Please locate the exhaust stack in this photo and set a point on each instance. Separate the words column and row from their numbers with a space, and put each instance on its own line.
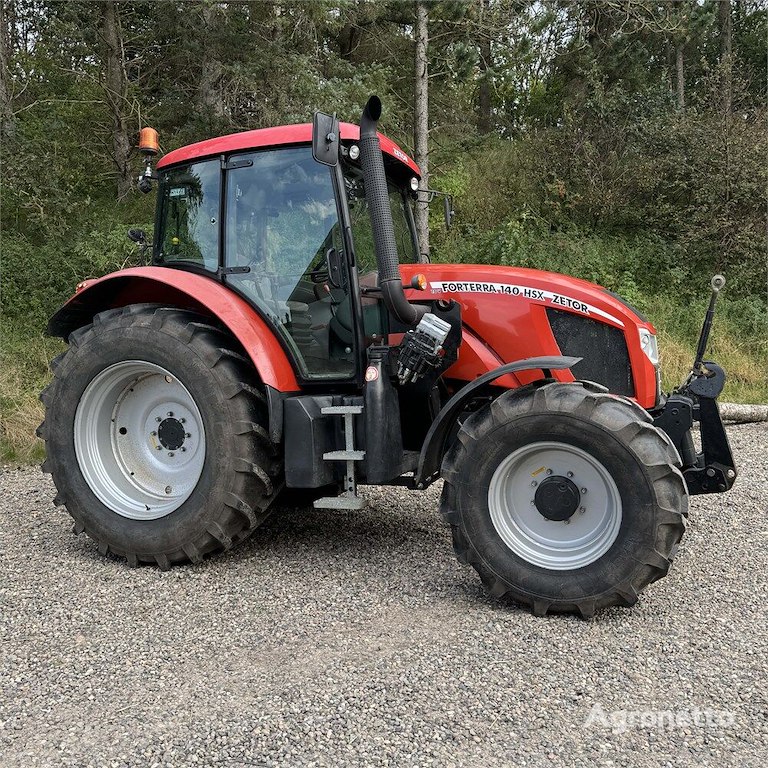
column 377, row 196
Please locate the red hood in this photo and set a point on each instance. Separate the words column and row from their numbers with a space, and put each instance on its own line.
column 505, row 309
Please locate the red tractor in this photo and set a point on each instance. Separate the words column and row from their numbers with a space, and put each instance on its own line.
column 286, row 336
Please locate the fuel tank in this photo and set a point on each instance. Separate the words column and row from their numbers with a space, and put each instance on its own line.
column 510, row 313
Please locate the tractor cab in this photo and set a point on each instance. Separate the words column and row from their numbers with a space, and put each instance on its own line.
column 268, row 220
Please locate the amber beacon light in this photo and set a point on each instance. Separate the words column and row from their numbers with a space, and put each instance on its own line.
column 149, row 145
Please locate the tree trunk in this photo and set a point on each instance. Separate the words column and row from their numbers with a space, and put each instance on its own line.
column 680, row 37
column 680, row 76
column 725, row 23
column 210, row 95
column 486, row 64
column 421, row 124
column 7, row 119
column 116, row 91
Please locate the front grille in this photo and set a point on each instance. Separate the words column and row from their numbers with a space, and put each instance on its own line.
column 603, row 347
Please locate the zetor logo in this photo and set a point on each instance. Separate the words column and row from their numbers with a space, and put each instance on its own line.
column 525, row 292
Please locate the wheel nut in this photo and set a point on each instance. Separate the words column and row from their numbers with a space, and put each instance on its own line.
column 570, row 474
column 183, row 449
column 168, row 489
column 158, row 447
column 533, row 503
column 183, row 421
column 187, row 434
column 731, row 473
column 582, row 510
column 158, row 419
column 583, row 490
column 170, row 413
column 549, row 471
column 533, row 483
column 154, row 434
column 171, row 454
column 567, row 521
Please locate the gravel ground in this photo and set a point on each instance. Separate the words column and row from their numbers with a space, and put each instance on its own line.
column 334, row 639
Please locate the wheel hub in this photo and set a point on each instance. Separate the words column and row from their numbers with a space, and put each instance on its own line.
column 170, row 433
column 557, row 498
column 573, row 516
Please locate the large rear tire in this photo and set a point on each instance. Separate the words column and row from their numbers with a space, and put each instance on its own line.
column 564, row 498
column 156, row 436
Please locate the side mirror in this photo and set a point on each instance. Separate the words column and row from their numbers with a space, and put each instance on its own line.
column 138, row 236
column 325, row 139
column 333, row 262
column 448, row 210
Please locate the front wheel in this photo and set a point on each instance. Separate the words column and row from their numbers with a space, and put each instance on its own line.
column 564, row 497
column 156, row 438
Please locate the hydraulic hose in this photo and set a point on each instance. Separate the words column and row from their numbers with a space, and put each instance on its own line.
column 377, row 196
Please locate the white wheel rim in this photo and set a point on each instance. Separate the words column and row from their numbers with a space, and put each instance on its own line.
column 558, row 545
column 139, row 440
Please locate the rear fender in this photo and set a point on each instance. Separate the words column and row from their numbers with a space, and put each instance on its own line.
column 186, row 290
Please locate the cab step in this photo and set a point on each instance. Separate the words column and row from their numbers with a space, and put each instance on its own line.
column 348, row 498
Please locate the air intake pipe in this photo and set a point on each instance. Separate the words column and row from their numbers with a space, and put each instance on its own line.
column 377, row 196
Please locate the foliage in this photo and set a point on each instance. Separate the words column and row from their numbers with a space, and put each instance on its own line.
column 556, row 125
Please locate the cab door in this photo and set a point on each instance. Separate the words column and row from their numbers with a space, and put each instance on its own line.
column 281, row 219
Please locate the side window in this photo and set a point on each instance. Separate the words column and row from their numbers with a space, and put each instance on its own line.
column 361, row 223
column 281, row 221
column 189, row 217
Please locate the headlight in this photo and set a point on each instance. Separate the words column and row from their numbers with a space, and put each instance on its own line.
column 649, row 346
column 354, row 152
column 414, row 184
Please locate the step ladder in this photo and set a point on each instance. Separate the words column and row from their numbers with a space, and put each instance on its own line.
column 348, row 498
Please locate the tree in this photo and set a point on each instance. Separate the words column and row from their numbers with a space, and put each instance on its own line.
column 725, row 25
column 210, row 95
column 7, row 119
column 680, row 35
column 115, row 84
column 421, row 122
column 485, row 65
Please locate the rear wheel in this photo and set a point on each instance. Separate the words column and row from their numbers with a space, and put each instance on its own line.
column 156, row 436
column 564, row 497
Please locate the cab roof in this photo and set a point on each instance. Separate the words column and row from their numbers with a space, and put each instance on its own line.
column 283, row 135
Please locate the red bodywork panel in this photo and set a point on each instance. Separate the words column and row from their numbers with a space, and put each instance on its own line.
column 176, row 288
column 274, row 137
column 503, row 310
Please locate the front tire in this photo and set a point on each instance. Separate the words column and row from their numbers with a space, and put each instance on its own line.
column 156, row 436
column 564, row 498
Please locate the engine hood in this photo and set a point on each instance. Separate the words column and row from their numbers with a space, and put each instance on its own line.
column 510, row 309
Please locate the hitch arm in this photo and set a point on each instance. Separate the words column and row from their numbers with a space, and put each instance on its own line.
column 717, row 283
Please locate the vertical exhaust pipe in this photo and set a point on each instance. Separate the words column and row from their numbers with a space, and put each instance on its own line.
column 377, row 196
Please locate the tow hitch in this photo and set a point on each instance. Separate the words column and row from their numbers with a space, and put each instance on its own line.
column 712, row 470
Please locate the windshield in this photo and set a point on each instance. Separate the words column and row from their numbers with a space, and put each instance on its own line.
column 362, row 233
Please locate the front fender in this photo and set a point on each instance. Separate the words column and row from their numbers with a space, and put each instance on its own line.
column 434, row 444
column 186, row 290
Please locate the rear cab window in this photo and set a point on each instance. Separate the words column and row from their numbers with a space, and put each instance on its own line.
column 189, row 215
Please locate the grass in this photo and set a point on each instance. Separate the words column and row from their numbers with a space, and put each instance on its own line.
column 25, row 356
column 741, row 352
column 24, row 372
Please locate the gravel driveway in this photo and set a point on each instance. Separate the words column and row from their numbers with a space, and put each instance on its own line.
column 357, row 639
